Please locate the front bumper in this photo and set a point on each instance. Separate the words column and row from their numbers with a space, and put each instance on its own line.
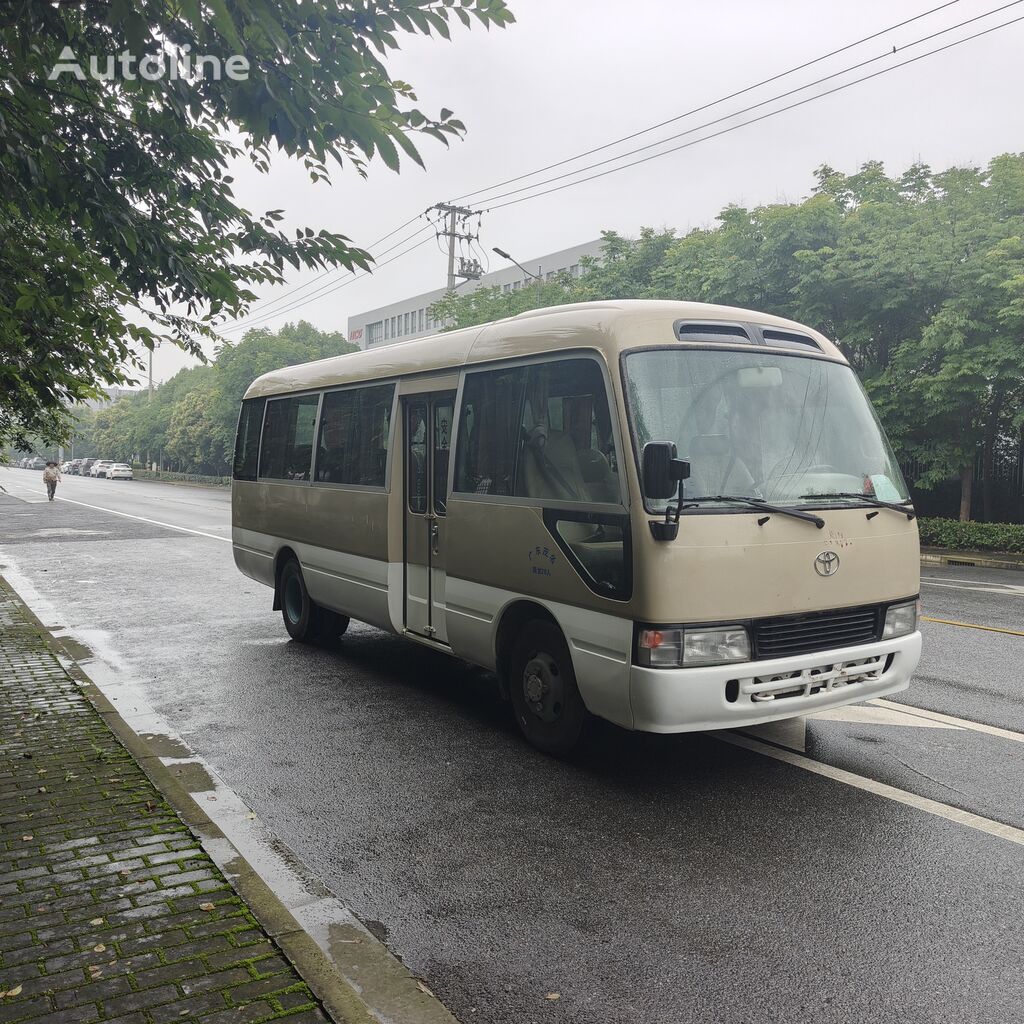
column 694, row 699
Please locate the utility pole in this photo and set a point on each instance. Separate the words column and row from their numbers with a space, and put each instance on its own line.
column 455, row 216
column 155, row 344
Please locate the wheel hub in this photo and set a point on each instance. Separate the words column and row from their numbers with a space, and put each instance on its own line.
column 542, row 687
column 293, row 599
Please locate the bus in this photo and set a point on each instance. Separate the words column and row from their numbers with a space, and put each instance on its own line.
column 670, row 515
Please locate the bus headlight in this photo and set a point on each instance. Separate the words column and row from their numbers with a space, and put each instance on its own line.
column 687, row 648
column 900, row 619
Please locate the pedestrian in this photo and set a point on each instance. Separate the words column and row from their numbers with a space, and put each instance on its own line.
column 50, row 477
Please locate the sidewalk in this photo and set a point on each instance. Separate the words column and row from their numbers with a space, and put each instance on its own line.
column 979, row 559
column 110, row 910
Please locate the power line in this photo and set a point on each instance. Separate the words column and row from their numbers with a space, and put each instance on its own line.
column 261, row 307
column 337, row 286
column 713, row 103
column 320, row 293
column 753, row 106
column 762, row 117
column 324, row 289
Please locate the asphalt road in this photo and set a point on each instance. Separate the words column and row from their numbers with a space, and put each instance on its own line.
column 660, row 879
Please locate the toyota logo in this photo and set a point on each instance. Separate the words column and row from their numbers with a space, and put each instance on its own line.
column 826, row 564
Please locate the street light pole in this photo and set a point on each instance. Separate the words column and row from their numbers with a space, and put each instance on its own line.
column 505, row 256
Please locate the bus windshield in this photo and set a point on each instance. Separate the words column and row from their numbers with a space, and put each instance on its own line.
column 786, row 429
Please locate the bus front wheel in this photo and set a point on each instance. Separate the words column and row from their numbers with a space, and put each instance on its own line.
column 542, row 684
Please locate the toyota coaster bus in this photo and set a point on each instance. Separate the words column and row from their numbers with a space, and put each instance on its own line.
column 671, row 515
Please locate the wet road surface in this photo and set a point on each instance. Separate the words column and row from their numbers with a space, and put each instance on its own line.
column 659, row 879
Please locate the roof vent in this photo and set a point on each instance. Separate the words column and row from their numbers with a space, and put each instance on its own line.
column 789, row 339
column 720, row 332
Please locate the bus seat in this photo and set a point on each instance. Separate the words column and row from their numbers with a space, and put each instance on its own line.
column 601, row 483
column 551, row 467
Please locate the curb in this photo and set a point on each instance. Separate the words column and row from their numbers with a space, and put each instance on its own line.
column 937, row 556
column 357, row 979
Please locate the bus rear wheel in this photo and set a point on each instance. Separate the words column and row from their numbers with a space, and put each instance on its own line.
column 542, row 684
column 304, row 619
column 297, row 607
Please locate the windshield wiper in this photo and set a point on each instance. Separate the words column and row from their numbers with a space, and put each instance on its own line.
column 758, row 503
column 896, row 506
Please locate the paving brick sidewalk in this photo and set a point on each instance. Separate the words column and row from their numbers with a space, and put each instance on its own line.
column 109, row 908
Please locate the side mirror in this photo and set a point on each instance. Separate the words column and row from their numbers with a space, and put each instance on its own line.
column 662, row 470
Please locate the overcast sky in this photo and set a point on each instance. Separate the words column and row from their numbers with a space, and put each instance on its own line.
column 571, row 75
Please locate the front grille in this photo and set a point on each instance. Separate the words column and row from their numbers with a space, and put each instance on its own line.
column 816, row 631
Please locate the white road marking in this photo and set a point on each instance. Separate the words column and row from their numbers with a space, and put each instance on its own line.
column 881, row 789
column 996, row 588
column 153, row 522
column 881, row 714
column 956, row 723
column 792, row 732
column 960, row 579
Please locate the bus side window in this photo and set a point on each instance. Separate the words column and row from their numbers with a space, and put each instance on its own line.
column 569, row 453
column 287, row 447
column 355, row 425
column 416, row 447
column 442, row 449
column 489, row 432
column 247, row 442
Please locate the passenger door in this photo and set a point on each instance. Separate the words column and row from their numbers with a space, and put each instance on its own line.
column 427, row 423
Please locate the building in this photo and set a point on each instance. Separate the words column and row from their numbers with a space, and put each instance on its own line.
column 410, row 318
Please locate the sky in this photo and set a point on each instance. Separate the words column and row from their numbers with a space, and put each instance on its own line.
column 571, row 75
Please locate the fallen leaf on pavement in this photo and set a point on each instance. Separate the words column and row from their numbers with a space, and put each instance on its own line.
column 27, row 839
column 424, row 987
column 16, row 991
column 552, row 996
column 206, row 906
column 96, row 921
column 99, row 948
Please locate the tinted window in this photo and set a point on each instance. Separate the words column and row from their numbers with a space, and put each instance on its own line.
column 542, row 431
column 416, row 441
column 492, row 410
column 354, row 429
column 247, row 441
column 568, row 452
column 443, row 412
column 287, row 451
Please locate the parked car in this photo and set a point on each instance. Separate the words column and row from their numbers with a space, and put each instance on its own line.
column 85, row 467
column 100, row 468
column 119, row 471
column 36, row 463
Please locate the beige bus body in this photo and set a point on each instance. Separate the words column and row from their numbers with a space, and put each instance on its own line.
column 468, row 579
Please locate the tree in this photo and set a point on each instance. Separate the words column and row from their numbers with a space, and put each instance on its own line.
column 188, row 423
column 919, row 277
column 117, row 215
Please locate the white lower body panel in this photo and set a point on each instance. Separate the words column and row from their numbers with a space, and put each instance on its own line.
column 346, row 583
column 695, row 699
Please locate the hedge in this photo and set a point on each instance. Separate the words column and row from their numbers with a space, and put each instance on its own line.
column 951, row 533
column 185, row 478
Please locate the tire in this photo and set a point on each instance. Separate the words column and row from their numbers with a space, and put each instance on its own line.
column 330, row 625
column 297, row 608
column 304, row 619
column 546, row 701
